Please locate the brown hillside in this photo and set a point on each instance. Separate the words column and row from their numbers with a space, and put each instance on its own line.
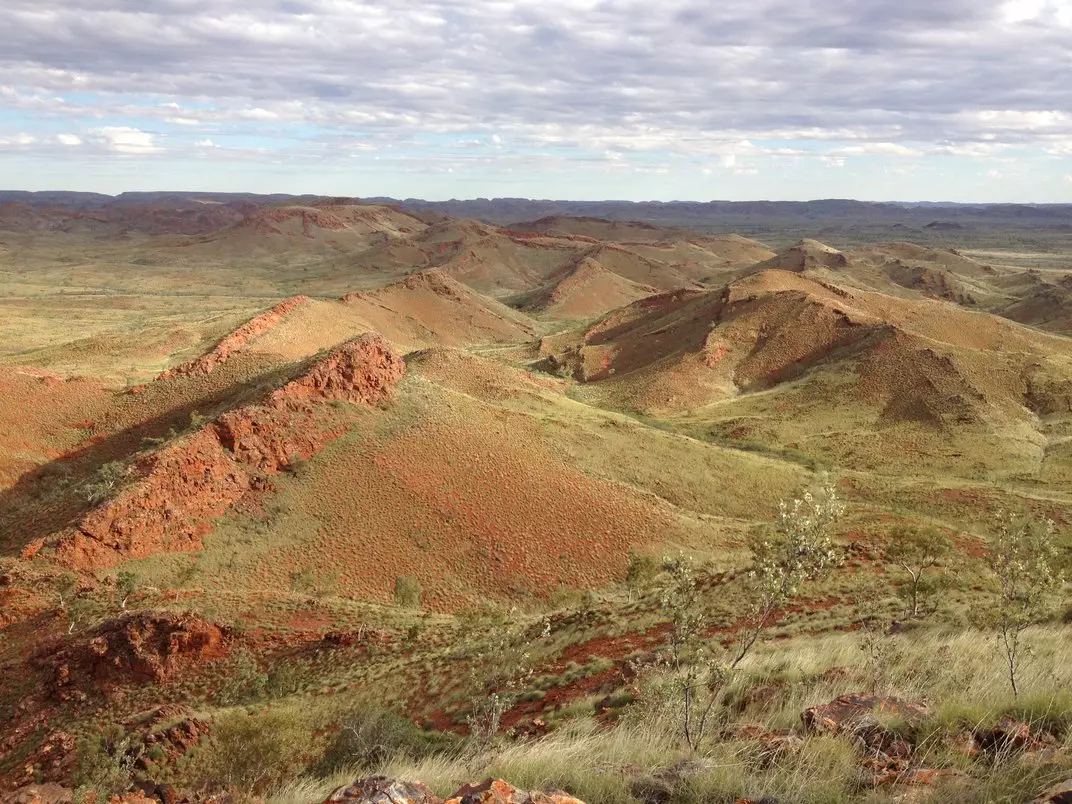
column 896, row 361
column 807, row 255
column 598, row 229
column 586, row 289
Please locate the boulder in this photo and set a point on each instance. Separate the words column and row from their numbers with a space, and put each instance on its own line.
column 497, row 791
column 382, row 790
column 854, row 715
column 1058, row 794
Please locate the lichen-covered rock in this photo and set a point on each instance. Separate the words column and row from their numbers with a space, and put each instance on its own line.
column 498, row 791
column 382, row 790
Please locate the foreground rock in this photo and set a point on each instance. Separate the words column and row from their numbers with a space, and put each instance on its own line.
column 382, row 790
column 854, row 714
column 138, row 647
column 1058, row 794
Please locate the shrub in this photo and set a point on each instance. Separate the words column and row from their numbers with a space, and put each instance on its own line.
column 256, row 752
column 105, row 482
column 1023, row 559
column 407, row 592
column 105, row 764
column 373, row 736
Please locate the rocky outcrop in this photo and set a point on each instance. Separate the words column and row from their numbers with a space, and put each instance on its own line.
column 180, row 488
column 145, row 646
column 236, row 341
column 382, row 790
column 363, row 371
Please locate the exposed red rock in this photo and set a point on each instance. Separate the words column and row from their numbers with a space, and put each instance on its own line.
column 497, row 791
column 179, row 489
column 138, row 647
column 363, row 370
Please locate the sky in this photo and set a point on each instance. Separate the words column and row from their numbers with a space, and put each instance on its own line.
column 956, row 100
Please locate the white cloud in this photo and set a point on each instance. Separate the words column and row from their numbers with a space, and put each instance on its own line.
column 69, row 139
column 126, row 140
column 182, row 121
column 1068, row 178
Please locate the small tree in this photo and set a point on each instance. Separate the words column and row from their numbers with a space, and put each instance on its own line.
column 698, row 671
column 126, row 586
column 799, row 549
column 501, row 667
column 916, row 552
column 1023, row 559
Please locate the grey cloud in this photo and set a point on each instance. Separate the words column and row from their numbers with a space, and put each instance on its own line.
column 672, row 74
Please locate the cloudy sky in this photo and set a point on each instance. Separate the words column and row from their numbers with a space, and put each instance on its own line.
column 967, row 100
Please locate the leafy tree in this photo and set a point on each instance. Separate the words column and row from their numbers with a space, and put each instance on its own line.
column 126, row 585
column 917, row 552
column 1023, row 558
column 105, row 482
column 799, row 549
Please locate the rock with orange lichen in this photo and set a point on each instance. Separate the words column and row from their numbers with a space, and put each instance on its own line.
column 497, row 791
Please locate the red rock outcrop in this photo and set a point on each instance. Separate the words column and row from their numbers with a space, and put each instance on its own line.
column 497, row 791
column 363, row 370
column 137, row 647
column 180, row 488
column 236, row 341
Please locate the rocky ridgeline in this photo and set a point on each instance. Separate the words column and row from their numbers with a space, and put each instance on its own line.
column 181, row 487
column 235, row 341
